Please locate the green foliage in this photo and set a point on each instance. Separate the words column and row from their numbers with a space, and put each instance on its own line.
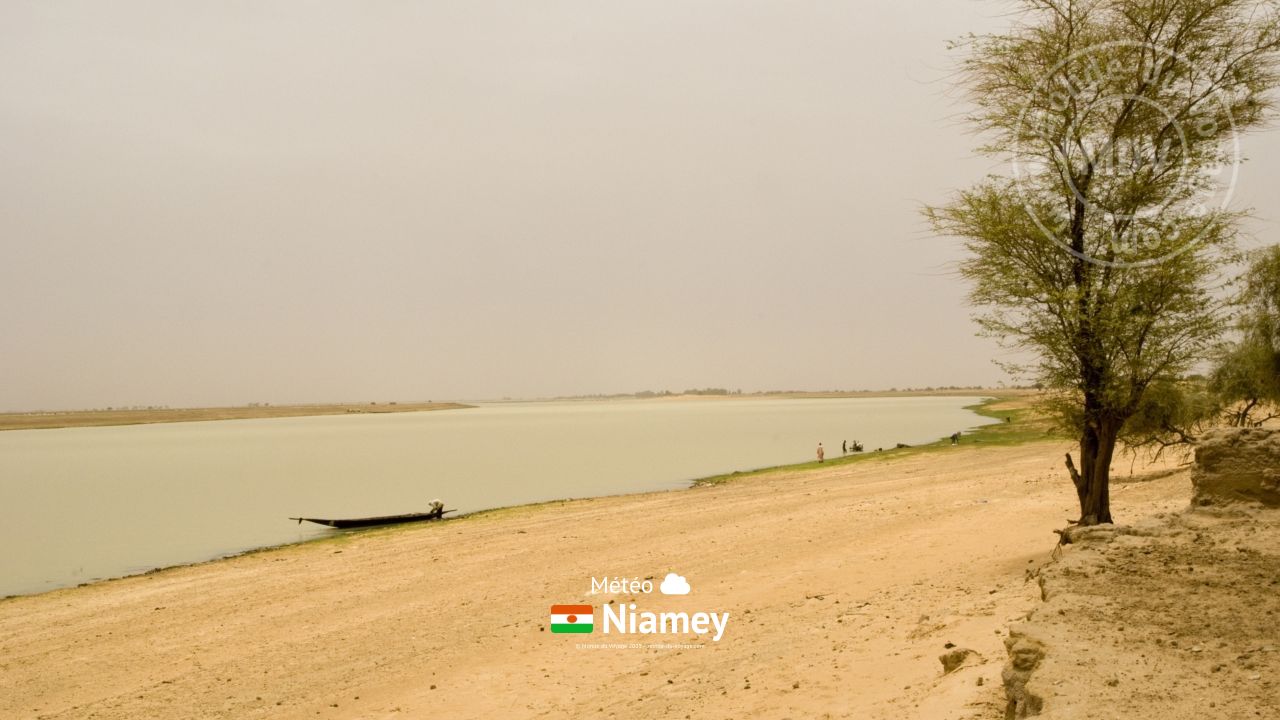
column 1247, row 375
column 1171, row 412
column 1108, row 275
column 707, row 391
column 1098, row 256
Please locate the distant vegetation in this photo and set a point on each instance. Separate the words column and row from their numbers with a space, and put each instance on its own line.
column 725, row 392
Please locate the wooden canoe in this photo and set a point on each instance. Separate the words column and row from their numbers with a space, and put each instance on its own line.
column 372, row 521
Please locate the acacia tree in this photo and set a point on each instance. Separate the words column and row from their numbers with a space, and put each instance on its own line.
column 1099, row 253
column 1247, row 376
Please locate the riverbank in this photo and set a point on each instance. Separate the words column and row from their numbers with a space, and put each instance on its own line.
column 1171, row 618
column 843, row 586
column 1017, row 421
column 146, row 416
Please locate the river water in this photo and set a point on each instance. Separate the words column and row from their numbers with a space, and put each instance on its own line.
column 81, row 504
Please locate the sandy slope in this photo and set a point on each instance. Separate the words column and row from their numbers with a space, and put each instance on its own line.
column 843, row 586
column 1176, row 618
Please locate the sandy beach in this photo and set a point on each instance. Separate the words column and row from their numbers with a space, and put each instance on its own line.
column 843, row 585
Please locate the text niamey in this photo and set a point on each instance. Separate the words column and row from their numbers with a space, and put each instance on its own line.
column 648, row 623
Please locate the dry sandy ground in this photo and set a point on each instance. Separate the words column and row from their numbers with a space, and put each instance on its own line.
column 842, row 584
column 1177, row 618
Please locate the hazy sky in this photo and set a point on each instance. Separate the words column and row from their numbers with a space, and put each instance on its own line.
column 230, row 202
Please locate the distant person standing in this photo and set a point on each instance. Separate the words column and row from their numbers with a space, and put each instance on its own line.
column 844, row 447
column 821, row 453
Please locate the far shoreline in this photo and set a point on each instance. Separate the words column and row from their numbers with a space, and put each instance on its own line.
column 59, row 419
column 792, row 395
column 52, row 420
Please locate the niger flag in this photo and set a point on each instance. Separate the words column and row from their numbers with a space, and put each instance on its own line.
column 571, row 619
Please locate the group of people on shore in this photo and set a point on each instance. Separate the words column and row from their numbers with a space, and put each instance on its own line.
column 847, row 447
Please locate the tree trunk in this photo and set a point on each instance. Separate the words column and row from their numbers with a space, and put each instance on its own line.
column 1098, row 440
column 1093, row 481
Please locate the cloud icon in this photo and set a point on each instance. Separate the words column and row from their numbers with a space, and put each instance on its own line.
column 674, row 584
